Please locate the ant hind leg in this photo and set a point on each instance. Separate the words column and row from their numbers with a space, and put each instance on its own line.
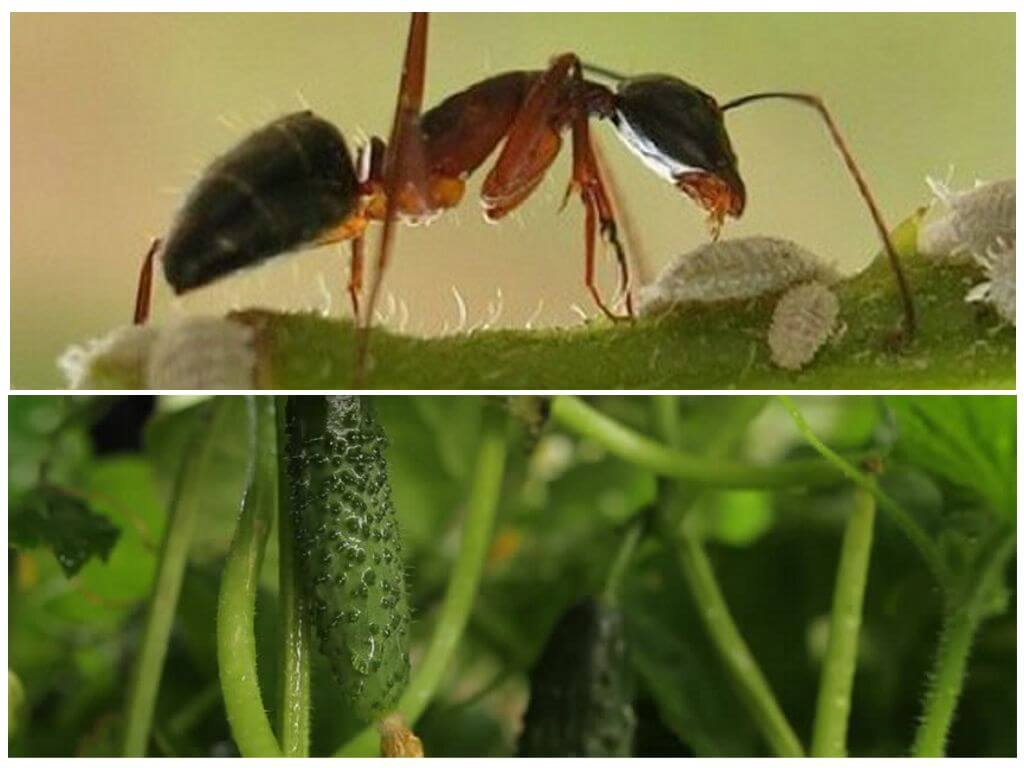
column 404, row 164
column 144, row 290
column 355, row 278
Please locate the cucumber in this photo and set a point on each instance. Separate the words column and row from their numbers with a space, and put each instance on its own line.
column 581, row 693
column 348, row 546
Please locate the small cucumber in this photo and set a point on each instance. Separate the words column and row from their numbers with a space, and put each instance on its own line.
column 581, row 697
column 348, row 546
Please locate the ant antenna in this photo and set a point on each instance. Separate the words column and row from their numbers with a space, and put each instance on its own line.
column 610, row 74
column 816, row 103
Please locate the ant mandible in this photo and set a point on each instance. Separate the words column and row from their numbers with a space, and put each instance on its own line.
column 293, row 182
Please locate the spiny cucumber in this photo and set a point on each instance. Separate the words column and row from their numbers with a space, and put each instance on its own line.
column 581, row 698
column 348, row 546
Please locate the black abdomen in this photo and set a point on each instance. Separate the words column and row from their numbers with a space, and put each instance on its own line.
column 282, row 187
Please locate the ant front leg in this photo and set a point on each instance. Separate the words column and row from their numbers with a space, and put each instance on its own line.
column 144, row 290
column 533, row 143
column 586, row 179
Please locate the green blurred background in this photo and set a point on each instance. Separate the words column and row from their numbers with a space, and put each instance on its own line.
column 113, row 115
column 566, row 505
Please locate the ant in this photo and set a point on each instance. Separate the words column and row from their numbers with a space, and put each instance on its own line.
column 293, row 183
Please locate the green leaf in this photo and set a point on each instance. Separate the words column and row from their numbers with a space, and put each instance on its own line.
column 52, row 518
column 677, row 665
column 968, row 441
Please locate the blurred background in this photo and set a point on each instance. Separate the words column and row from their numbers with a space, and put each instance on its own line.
column 114, row 115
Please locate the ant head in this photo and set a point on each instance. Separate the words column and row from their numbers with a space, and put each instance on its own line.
column 678, row 131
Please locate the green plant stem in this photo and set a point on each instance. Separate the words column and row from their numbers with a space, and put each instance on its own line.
column 903, row 520
column 295, row 629
column 746, row 675
column 462, row 586
column 613, row 584
column 719, row 346
column 186, row 500
column 947, row 678
column 574, row 414
column 748, row 680
column 834, row 692
column 236, row 608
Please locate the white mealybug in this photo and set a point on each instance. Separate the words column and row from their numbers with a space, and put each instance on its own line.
column 1000, row 289
column 119, row 356
column 203, row 353
column 803, row 320
column 979, row 226
column 974, row 221
column 726, row 270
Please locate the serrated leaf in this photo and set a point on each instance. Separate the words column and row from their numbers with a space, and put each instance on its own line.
column 967, row 441
column 52, row 518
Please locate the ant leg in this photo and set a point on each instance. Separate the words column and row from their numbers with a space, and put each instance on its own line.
column 815, row 102
column 404, row 165
column 634, row 244
column 531, row 145
column 589, row 227
column 355, row 278
column 530, row 148
column 586, row 179
column 144, row 291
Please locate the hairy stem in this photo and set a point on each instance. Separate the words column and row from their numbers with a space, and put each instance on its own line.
column 574, row 414
column 462, row 585
column 295, row 629
column 750, row 683
column 186, row 499
column 834, row 692
column 950, row 669
column 903, row 519
column 695, row 347
column 236, row 608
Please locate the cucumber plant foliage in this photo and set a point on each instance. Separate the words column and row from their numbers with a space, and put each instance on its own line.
column 935, row 645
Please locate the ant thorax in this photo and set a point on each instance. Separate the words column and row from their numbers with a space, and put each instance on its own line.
column 665, row 166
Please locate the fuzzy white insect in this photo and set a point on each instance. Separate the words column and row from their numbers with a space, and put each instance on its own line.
column 1000, row 289
column 202, row 353
column 803, row 321
column 121, row 354
column 974, row 221
column 733, row 269
column 979, row 225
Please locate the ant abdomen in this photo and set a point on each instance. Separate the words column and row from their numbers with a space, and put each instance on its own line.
column 282, row 187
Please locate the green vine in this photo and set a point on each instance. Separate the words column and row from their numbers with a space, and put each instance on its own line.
column 749, row 681
column 236, row 608
column 295, row 622
column 586, row 421
column 185, row 503
column 834, row 693
column 963, row 617
column 903, row 519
